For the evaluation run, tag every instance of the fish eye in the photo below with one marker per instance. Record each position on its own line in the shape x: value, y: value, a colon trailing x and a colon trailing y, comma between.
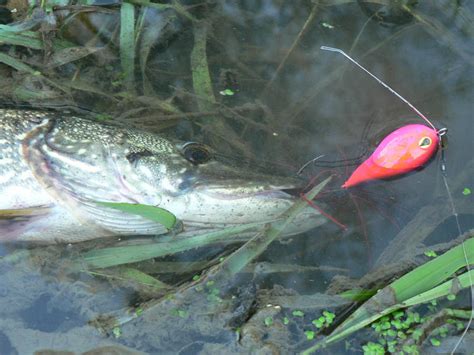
x: 425, y: 142
x: 196, y: 153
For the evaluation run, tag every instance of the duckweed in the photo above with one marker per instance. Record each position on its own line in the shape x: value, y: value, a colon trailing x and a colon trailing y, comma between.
x: 430, y: 253
x: 373, y: 349
x: 298, y: 313
x: 117, y: 332
x: 309, y: 334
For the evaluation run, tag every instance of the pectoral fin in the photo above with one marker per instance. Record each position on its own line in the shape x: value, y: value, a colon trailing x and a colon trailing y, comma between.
x: 13, y: 222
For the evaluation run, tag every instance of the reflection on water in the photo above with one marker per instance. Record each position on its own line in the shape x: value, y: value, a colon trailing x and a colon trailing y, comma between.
x: 287, y: 102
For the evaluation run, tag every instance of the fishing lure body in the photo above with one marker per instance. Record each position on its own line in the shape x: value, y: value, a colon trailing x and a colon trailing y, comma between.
x: 404, y: 150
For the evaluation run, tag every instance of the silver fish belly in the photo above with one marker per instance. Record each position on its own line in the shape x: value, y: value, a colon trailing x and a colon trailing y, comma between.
x: 54, y: 169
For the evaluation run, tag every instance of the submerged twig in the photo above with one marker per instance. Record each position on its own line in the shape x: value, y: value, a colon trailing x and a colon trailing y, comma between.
x: 439, y: 32
x: 296, y: 42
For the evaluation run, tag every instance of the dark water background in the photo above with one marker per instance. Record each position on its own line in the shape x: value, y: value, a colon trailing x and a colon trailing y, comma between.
x: 318, y: 104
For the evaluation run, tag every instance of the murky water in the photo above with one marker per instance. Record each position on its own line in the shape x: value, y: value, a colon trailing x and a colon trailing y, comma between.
x: 291, y: 102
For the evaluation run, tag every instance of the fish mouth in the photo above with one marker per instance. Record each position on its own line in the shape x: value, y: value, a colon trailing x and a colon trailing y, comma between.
x: 284, y: 193
x: 273, y: 192
x: 293, y: 191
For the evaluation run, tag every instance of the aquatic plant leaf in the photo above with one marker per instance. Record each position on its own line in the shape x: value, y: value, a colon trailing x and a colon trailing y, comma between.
x: 127, y: 43
x: 200, y: 71
x: 254, y: 247
x: 418, y: 286
x: 16, y: 64
x: 152, y: 213
x: 107, y: 257
x: 71, y: 54
x: 29, y: 39
x: 152, y: 23
x: 132, y: 275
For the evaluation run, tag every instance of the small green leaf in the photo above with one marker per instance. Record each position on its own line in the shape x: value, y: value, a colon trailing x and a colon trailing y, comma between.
x: 435, y: 342
x: 459, y: 325
x: 317, y: 323
x: 226, y: 92
x: 298, y: 313
x: 431, y: 253
x: 398, y: 314
x: 466, y: 191
x: 286, y: 321
x: 179, y: 313
x: 373, y: 349
x: 417, y: 333
x: 309, y: 334
x: 401, y: 335
x: 196, y: 277
x: 268, y: 321
x: 451, y: 297
x: 328, y: 315
x: 152, y: 213
x: 117, y: 332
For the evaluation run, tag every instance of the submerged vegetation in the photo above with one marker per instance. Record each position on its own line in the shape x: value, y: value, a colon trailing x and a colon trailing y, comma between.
x: 197, y: 71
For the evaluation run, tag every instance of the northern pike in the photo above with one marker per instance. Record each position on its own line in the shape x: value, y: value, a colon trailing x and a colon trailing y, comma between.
x: 54, y: 169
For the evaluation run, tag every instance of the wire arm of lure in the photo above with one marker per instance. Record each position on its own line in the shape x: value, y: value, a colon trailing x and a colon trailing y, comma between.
x: 340, y: 51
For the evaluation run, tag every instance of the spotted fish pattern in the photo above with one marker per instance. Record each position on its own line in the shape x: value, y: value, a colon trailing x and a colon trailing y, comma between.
x: 55, y: 168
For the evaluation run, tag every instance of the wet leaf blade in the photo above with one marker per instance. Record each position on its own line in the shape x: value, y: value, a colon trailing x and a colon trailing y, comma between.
x: 152, y: 213
x: 107, y: 257
x: 132, y: 275
x: 71, y: 54
x: 127, y: 43
x: 16, y: 64
x: 419, y: 285
x: 200, y: 70
x: 30, y: 39
x: 254, y: 247
x: 433, y: 272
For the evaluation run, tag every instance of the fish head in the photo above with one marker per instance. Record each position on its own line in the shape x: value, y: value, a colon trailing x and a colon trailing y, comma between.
x: 82, y: 163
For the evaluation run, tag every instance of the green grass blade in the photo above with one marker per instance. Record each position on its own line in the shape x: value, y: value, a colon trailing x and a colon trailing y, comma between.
x: 417, y: 286
x: 442, y: 290
x: 200, y: 70
x: 29, y: 39
x: 152, y: 213
x: 108, y: 257
x: 127, y: 43
x: 254, y: 247
x: 17, y: 64
x: 433, y: 272
x: 131, y: 275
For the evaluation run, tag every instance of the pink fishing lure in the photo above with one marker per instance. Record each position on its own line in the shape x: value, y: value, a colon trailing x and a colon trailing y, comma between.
x: 404, y: 150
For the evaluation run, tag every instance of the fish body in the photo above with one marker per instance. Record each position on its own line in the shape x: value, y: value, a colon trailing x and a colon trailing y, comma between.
x: 404, y: 150
x: 54, y: 169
